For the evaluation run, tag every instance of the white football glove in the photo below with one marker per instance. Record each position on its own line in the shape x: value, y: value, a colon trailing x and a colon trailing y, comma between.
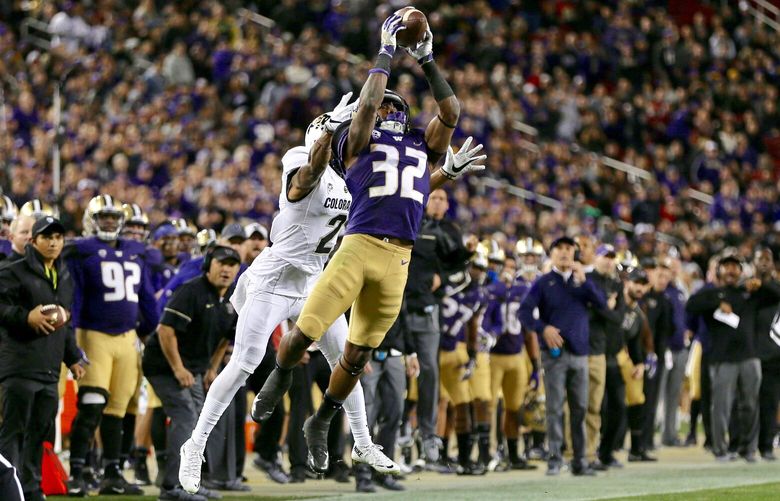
x: 423, y: 49
x: 390, y: 27
x: 457, y: 164
x: 341, y: 113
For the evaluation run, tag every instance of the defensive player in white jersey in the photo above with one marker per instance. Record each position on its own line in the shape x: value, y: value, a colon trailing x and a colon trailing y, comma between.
x: 313, y: 207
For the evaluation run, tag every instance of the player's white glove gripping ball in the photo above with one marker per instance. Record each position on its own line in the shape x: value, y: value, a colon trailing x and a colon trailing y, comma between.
x: 423, y: 52
x: 465, y: 160
x: 341, y: 113
x: 390, y: 28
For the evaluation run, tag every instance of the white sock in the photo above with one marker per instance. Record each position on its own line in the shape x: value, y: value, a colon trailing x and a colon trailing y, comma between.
x: 355, y: 408
x: 220, y: 394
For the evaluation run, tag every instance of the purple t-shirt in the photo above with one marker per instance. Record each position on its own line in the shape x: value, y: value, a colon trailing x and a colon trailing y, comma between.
x: 456, y: 311
x: 389, y: 183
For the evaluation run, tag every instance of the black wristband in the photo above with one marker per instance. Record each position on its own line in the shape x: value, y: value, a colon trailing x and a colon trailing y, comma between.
x: 535, y: 365
x: 471, y: 352
x: 382, y: 64
x: 439, y: 86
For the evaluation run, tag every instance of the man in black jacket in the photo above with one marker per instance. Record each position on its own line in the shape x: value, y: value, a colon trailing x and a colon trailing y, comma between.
x: 439, y: 251
x: 730, y: 312
x: 768, y: 348
x: 659, y: 313
x: 32, y: 350
x: 601, y: 324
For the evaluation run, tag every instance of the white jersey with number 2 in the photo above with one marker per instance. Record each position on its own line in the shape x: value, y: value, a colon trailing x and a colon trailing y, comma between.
x: 303, y: 233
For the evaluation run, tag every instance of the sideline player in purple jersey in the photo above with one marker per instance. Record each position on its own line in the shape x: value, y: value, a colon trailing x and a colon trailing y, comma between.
x: 509, y: 369
x: 8, y: 213
x: 389, y: 172
x: 112, y: 286
x: 461, y: 313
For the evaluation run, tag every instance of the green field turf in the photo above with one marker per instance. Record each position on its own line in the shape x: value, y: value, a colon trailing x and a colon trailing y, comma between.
x: 689, y: 474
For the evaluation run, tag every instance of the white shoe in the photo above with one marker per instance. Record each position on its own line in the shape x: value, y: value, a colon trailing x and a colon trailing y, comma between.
x: 190, y: 463
x: 373, y: 456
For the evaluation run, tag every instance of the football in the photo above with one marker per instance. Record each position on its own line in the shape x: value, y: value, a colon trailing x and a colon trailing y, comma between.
x: 56, y: 314
x: 415, y: 27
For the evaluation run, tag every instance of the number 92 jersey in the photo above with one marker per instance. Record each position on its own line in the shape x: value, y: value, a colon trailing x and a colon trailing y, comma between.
x: 389, y: 182
x: 305, y: 231
x: 112, y: 285
x: 502, y: 317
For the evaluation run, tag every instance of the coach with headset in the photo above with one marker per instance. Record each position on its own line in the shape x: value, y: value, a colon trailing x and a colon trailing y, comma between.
x: 181, y: 359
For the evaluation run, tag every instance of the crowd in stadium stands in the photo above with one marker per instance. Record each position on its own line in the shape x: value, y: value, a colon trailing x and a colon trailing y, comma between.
x: 186, y: 108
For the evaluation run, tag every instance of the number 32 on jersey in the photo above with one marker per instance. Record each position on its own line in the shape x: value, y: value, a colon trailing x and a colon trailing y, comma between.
x: 389, y: 166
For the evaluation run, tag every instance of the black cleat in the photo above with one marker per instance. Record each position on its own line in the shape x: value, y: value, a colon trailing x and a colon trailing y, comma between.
x: 118, y: 486
x: 316, y: 435
x: 640, y: 457
x: 77, y: 487
x: 471, y: 469
x: 277, y: 384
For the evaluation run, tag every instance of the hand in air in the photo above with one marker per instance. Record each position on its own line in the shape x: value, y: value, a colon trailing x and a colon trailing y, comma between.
x: 390, y: 28
x: 465, y: 160
x: 342, y: 112
x: 423, y: 52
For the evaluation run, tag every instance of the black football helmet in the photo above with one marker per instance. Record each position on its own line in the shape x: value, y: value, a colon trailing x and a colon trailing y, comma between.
x: 401, y: 116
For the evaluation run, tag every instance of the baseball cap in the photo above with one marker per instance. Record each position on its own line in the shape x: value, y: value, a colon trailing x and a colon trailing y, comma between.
x: 46, y: 226
x: 233, y: 230
x: 224, y: 253
x: 648, y: 263
x: 165, y: 230
x: 606, y: 250
x: 730, y: 258
x: 564, y: 240
x: 637, y: 275
x: 253, y: 228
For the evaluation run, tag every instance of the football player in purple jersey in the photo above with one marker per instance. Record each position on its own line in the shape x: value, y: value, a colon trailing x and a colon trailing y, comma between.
x: 112, y: 293
x: 461, y: 313
x: 389, y: 170
x: 8, y: 213
x: 509, y: 372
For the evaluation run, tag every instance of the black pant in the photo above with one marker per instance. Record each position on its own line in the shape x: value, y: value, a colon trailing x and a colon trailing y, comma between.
x: 28, y: 409
x: 652, y: 390
x: 613, y: 409
x: 768, y: 398
x: 268, y: 435
x: 316, y: 371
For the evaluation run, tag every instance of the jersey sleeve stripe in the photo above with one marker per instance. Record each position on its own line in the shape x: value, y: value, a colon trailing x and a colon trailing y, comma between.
x: 182, y: 315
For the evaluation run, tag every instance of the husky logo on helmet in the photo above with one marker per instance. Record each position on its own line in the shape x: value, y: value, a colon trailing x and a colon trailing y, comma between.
x: 136, y: 224
x: 104, y: 218
x: 7, y: 209
x: 315, y: 130
x: 398, y: 120
x: 38, y: 209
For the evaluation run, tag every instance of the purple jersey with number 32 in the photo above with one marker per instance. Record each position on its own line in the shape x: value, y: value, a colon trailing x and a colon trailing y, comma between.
x: 389, y: 183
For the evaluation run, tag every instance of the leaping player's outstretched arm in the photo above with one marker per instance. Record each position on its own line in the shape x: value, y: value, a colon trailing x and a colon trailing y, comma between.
x: 372, y: 93
x: 438, y: 134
